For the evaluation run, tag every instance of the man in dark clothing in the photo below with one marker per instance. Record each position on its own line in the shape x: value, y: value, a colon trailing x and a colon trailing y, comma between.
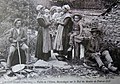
x: 17, y: 35
x: 97, y: 50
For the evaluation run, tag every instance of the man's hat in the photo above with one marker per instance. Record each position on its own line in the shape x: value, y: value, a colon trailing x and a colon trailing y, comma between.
x: 17, y: 19
x: 77, y: 14
x: 95, y: 30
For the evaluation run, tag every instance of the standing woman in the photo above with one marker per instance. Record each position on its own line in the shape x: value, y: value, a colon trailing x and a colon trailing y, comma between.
x: 61, y: 43
x: 43, y: 45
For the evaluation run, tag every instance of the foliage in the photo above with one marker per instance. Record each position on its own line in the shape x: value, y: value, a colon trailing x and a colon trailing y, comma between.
x: 9, y: 11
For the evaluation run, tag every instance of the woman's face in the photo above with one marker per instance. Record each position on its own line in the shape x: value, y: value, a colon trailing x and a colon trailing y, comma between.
x: 76, y: 18
x: 18, y: 24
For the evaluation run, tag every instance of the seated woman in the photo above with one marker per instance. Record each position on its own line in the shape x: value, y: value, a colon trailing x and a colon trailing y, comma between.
x: 17, y: 36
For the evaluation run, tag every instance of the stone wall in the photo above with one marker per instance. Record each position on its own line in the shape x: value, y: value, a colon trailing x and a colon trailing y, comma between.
x: 88, y: 4
x: 92, y: 4
x: 111, y: 25
x: 42, y: 2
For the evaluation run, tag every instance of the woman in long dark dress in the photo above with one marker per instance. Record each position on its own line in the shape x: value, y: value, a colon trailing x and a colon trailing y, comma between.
x: 43, y: 45
x: 61, y: 44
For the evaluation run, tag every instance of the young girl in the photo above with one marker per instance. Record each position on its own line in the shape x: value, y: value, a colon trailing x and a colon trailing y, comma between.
x: 77, y: 29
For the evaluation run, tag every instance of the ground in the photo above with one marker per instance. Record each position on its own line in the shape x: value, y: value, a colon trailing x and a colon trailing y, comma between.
x: 56, y: 69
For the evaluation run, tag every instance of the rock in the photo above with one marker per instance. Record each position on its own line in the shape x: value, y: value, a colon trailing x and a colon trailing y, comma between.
x: 18, y: 67
x: 6, y: 77
x: 20, y: 76
x: 60, y: 64
x: 42, y: 63
x: 53, y: 71
x: 33, y: 74
x: 39, y: 70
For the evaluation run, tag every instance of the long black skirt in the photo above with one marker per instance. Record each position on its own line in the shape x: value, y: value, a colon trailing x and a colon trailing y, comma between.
x: 15, y: 57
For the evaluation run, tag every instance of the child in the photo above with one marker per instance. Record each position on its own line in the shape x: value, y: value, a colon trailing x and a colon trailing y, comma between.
x: 77, y: 29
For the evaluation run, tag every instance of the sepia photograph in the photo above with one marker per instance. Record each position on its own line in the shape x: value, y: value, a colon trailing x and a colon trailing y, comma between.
x: 59, y: 41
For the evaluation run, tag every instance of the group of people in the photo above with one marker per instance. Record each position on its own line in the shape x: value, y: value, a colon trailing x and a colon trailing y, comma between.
x: 65, y: 27
x: 57, y: 29
x: 53, y: 34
